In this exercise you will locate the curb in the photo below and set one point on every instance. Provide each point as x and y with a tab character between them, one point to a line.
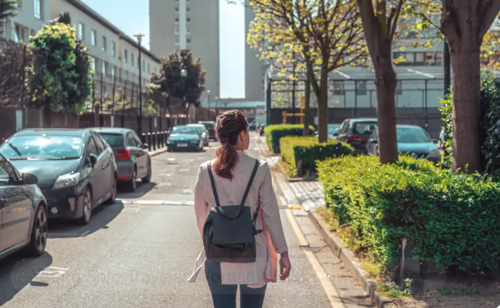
157	152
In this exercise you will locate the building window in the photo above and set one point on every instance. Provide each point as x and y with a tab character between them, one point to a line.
80	31
361	87
419	57
149	68
104	43
38	9
113	68
188	40
188	19
33	32
177	20
93	37
125	55
143	65
113	49
104	68
20	32
338	88
132	59
177	9
188	9
92	63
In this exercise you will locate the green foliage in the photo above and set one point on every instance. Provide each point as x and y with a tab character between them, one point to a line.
489	131
275	132
308	151
170	81
452	219
61	69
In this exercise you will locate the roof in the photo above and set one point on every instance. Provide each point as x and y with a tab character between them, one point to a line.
53	131
363	120
103	21
241	105
110	129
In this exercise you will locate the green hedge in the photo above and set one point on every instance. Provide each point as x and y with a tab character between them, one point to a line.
452	219
309	151
275	132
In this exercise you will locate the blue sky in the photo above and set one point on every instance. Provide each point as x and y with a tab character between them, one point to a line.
132	17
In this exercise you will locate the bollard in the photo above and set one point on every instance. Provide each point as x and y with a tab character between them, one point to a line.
154	141
162	139
409	268
149	141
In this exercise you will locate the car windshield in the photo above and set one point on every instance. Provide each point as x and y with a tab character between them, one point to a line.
42	147
114	140
407	134
185	130
200	127
333	129
363	128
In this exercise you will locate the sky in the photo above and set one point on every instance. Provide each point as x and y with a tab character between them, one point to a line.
132	17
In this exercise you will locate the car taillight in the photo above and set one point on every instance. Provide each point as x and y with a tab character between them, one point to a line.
123	155
353	138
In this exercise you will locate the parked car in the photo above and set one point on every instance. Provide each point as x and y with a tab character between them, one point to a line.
185	137
261	129
204	133
356	132
76	168
210	126
23	212
333	131
413	140
132	157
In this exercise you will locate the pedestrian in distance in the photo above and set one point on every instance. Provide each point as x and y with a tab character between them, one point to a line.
238	217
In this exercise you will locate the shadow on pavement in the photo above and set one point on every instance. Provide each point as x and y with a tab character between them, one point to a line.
101	217
140	191
17	272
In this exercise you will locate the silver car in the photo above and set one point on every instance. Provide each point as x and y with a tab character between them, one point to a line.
204	133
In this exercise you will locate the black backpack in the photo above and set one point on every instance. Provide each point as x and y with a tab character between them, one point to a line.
229	231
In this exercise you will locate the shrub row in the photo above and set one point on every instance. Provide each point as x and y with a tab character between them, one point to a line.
274	133
302	153
452	219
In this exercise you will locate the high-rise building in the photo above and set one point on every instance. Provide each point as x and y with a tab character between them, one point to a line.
191	24
254	69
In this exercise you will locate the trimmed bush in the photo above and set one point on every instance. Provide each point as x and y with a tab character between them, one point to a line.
452	219
302	153
275	132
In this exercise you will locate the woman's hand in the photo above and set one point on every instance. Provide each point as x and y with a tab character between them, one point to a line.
285	266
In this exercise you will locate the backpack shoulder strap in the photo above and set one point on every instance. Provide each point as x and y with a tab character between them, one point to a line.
249	185
212	181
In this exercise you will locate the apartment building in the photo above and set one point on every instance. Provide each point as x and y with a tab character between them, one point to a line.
114	54
254	68
191	24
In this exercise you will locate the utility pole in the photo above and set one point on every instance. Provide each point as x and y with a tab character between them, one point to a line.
139	41
447	67
293	88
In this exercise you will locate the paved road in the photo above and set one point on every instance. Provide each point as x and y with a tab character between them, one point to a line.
139	253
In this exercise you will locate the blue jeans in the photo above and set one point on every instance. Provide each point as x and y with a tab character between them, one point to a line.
224	296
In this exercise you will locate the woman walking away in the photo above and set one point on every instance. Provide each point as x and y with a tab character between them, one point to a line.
238	217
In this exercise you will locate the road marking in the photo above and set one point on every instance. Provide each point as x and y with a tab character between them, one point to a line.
327	285
300	236
134	209
52	272
156	202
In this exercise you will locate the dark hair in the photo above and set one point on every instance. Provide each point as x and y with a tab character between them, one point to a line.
228	127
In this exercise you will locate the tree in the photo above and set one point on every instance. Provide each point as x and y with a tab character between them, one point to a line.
61	70
327	34
380	24
8	8
172	83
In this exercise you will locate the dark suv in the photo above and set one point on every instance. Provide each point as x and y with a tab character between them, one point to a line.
210	125
356	132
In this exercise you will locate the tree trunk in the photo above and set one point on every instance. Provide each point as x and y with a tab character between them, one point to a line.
307	109
465	60
386	81
322	96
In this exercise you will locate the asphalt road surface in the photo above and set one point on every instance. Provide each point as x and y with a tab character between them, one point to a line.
139	252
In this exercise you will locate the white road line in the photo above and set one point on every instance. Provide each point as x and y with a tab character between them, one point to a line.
300	236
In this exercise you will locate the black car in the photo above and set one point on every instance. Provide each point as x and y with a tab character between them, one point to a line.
356	132
131	155
76	169
210	125
23	212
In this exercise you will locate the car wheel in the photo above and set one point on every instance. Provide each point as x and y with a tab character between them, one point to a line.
87	207
114	188
147	178
38	238
132	183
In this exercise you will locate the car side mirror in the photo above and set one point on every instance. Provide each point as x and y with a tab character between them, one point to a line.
93	160
145	146
29	179
374	141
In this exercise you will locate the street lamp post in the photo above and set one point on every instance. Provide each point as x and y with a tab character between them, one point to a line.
139	41
184	74
208	92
